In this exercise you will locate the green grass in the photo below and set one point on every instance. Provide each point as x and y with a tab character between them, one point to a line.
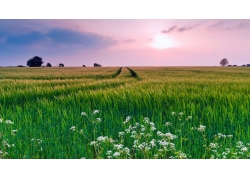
44	103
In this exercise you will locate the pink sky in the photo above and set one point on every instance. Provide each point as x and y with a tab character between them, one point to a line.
125	42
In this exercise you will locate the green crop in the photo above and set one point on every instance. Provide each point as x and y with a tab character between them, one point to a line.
45	103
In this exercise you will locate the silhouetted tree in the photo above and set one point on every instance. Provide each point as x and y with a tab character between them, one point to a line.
224	62
61	65
35	62
48	65
97	65
83	66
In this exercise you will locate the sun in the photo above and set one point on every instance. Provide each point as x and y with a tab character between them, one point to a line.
162	42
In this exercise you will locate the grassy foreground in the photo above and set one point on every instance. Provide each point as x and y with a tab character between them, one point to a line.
135	112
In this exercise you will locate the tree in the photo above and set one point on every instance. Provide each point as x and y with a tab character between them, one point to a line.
35	62
48	65
224	62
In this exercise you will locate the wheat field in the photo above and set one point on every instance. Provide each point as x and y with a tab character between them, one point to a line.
120	112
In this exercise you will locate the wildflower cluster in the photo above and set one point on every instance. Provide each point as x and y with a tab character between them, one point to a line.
228	150
6	138
142	139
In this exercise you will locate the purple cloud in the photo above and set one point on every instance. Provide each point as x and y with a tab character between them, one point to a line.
171	29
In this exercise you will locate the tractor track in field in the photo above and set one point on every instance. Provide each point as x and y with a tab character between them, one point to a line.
117	73
133	73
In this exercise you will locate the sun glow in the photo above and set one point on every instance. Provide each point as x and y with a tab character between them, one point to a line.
162	42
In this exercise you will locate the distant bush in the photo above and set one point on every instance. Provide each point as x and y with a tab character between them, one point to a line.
48	65
97	65
20	66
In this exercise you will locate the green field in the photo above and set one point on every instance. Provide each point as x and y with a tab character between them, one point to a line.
47	105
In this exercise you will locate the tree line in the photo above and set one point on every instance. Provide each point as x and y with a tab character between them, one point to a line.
38	61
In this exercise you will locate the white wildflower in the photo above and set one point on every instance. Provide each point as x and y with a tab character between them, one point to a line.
118	146
127	130
93	143
1	120
201	128
152	142
83	114
126	150
172	146
133	132
141	146
244	149
136	141
153	128
111	140
121	134
96	111
152	124
73	128
98	119
109	153
163	143
173	113
9	122
14	131
181	113
182	155
168	124
5	143
116	154
156	155
159	133
213	145
239	143
170	136
224	153
146	120
127	119
102	139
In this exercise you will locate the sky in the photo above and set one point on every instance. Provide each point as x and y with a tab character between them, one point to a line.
125	42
